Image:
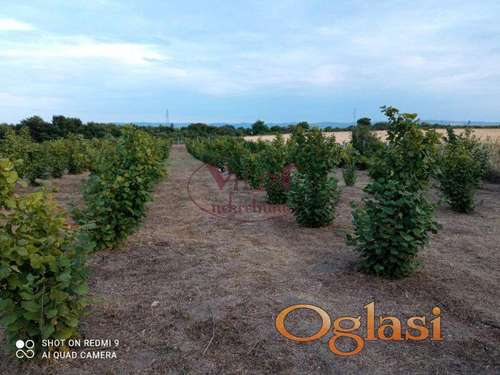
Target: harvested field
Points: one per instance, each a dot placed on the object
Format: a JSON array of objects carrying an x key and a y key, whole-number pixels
[
  {"x": 345, "y": 136},
  {"x": 193, "y": 293}
]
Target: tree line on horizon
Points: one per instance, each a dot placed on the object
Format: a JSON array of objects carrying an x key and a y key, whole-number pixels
[{"x": 61, "y": 127}]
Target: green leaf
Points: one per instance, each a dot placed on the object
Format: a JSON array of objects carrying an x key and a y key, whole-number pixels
[
  {"x": 36, "y": 261},
  {"x": 30, "y": 306},
  {"x": 81, "y": 289},
  {"x": 22, "y": 251},
  {"x": 51, "y": 313},
  {"x": 8, "y": 319},
  {"x": 47, "y": 330},
  {"x": 4, "y": 271}
]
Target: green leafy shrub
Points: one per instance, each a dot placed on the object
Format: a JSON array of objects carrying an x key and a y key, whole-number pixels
[
  {"x": 477, "y": 149},
  {"x": 232, "y": 154},
  {"x": 365, "y": 142},
  {"x": 17, "y": 147},
  {"x": 493, "y": 149},
  {"x": 8, "y": 180},
  {"x": 395, "y": 220},
  {"x": 350, "y": 156},
  {"x": 313, "y": 203},
  {"x": 236, "y": 152},
  {"x": 119, "y": 187},
  {"x": 275, "y": 159},
  {"x": 209, "y": 151},
  {"x": 101, "y": 150},
  {"x": 42, "y": 266},
  {"x": 56, "y": 156},
  {"x": 391, "y": 227},
  {"x": 253, "y": 170},
  {"x": 79, "y": 154},
  {"x": 36, "y": 163},
  {"x": 461, "y": 166},
  {"x": 313, "y": 194}
]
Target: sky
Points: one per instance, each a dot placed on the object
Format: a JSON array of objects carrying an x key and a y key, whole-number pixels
[{"x": 238, "y": 61}]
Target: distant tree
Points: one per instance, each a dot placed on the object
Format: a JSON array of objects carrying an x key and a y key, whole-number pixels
[
  {"x": 244, "y": 131},
  {"x": 63, "y": 126},
  {"x": 227, "y": 130},
  {"x": 39, "y": 129},
  {"x": 365, "y": 142},
  {"x": 304, "y": 125},
  {"x": 362, "y": 136},
  {"x": 364, "y": 121},
  {"x": 259, "y": 128},
  {"x": 276, "y": 129},
  {"x": 3, "y": 130}
]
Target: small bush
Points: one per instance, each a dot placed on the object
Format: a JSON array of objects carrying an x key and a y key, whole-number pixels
[
  {"x": 36, "y": 163},
  {"x": 79, "y": 154},
  {"x": 8, "y": 180},
  {"x": 493, "y": 148},
  {"x": 460, "y": 172},
  {"x": 313, "y": 194},
  {"x": 275, "y": 159},
  {"x": 350, "y": 157},
  {"x": 253, "y": 170},
  {"x": 313, "y": 203},
  {"x": 365, "y": 142},
  {"x": 235, "y": 154},
  {"x": 56, "y": 156},
  {"x": 42, "y": 266},
  {"x": 18, "y": 147},
  {"x": 478, "y": 150},
  {"x": 391, "y": 227},
  {"x": 395, "y": 219}
]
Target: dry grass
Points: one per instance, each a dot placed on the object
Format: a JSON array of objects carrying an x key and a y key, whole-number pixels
[
  {"x": 493, "y": 135},
  {"x": 193, "y": 293}
]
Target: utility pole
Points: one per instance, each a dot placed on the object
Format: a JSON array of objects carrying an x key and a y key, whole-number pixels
[{"x": 354, "y": 117}]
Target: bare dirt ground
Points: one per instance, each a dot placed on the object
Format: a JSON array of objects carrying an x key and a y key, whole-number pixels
[
  {"x": 193, "y": 293},
  {"x": 65, "y": 190}
]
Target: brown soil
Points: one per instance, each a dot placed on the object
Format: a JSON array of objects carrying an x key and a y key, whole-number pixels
[
  {"x": 65, "y": 190},
  {"x": 193, "y": 293}
]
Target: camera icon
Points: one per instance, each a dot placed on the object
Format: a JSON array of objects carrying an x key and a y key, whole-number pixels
[{"x": 25, "y": 349}]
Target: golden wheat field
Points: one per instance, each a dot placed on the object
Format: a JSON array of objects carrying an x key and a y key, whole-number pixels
[{"x": 345, "y": 136}]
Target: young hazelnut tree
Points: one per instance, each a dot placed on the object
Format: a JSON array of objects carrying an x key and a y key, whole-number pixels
[
  {"x": 395, "y": 220},
  {"x": 463, "y": 161},
  {"x": 313, "y": 193}
]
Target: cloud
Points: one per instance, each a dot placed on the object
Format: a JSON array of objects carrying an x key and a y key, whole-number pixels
[
  {"x": 14, "y": 25},
  {"x": 354, "y": 52},
  {"x": 35, "y": 103},
  {"x": 82, "y": 47}
]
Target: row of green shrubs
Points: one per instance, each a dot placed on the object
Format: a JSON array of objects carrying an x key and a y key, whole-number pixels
[
  {"x": 43, "y": 273},
  {"x": 310, "y": 192},
  {"x": 43, "y": 276},
  {"x": 119, "y": 186},
  {"x": 35, "y": 161},
  {"x": 396, "y": 216}
]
